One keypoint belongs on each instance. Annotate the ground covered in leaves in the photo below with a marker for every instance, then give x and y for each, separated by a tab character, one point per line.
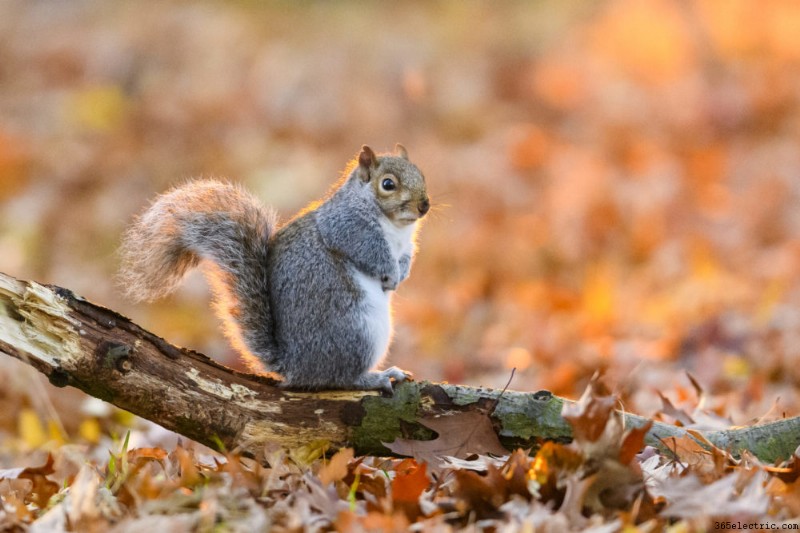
615	183
605	480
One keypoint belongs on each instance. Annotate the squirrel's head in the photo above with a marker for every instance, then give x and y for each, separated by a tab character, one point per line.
398	185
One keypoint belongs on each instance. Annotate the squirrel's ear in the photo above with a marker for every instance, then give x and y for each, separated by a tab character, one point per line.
400	151
366	161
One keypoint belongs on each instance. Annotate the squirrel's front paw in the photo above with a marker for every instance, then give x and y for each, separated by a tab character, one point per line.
388	282
404	265
382	380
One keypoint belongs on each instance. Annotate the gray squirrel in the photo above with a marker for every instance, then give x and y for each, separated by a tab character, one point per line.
309	300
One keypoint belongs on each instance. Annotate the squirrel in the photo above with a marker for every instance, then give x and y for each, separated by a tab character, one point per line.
309	300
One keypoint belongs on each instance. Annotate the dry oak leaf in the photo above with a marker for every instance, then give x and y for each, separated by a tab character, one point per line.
706	461
336	467
681	417
409	483
633	442
482	495
460	434
788	471
485	493
589	415
42	488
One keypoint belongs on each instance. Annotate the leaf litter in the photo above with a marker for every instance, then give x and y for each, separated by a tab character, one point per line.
606	479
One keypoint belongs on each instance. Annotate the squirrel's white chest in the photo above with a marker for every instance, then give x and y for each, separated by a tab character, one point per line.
376	315
401	240
376	306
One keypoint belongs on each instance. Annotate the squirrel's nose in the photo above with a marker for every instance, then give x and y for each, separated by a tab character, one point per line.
423	207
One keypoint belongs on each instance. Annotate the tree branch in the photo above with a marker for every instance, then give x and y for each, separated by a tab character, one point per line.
77	343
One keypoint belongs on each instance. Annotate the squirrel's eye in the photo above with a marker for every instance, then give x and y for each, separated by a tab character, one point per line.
388	184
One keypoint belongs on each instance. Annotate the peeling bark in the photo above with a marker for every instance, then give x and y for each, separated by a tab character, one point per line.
77	343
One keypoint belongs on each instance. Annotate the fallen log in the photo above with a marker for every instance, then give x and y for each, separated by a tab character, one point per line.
77	343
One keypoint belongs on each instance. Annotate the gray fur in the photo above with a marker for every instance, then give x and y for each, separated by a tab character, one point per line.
293	299
405	266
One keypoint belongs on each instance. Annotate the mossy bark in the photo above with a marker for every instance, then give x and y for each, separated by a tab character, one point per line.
80	344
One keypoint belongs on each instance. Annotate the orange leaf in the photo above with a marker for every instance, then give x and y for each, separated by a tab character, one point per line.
156	454
336	468
408	485
482	495
633	442
589	415
189	474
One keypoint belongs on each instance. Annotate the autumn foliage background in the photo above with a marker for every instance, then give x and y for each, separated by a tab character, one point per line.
616	183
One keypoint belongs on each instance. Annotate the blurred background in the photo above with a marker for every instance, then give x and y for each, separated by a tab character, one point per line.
616	183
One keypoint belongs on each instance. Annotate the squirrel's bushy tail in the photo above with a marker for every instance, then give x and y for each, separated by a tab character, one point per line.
218	222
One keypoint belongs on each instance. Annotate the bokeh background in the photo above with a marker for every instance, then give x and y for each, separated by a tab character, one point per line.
616	183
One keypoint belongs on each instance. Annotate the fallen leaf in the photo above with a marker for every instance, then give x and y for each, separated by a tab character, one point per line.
788	472
552	463
478	463
589	415
409	482
42	488
30	428
515	471
184	462
336	468
740	493
14	501
633	442
90	430
708	463
681	416
156	454
366	482
574	497
459	435
482	495
15	163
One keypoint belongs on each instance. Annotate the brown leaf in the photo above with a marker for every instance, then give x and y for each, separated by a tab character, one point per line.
372	484
741	493
336	467
13	493
698	389
709	464
15	165
681	416
574	498
188	471
633	442
515	471
156	454
614	486
553	462
589	415
788	472
42	488
376	521
460	434
482	495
